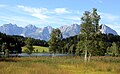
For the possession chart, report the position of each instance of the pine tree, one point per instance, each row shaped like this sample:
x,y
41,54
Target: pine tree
x,y
55,41
95,20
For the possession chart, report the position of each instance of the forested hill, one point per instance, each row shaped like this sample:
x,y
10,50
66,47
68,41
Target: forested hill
x,y
14,43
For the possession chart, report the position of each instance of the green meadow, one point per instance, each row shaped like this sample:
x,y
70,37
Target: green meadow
x,y
38,49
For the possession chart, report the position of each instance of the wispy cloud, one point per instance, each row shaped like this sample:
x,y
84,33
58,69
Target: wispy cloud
x,y
32,10
36,12
40,16
43,13
61,10
2,5
52,16
23,21
98,1
109,18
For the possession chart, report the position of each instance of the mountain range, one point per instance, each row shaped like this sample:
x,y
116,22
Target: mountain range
x,y
44,33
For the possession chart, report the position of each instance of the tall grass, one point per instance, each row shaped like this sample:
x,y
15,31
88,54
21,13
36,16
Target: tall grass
x,y
60,65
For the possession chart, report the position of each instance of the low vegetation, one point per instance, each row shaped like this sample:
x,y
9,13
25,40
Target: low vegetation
x,y
38,49
60,65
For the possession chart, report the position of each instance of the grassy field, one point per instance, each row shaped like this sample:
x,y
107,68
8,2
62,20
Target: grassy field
x,y
60,65
38,49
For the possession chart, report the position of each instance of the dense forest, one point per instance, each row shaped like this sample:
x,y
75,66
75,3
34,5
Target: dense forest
x,y
103,42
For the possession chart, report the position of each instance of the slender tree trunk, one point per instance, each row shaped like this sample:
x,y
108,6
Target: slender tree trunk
x,y
89,57
85,58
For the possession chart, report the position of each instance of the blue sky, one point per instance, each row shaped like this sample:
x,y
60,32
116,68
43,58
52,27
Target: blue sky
x,y
56,13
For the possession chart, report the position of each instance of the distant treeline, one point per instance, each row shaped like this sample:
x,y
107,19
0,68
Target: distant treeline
x,y
13,43
102,43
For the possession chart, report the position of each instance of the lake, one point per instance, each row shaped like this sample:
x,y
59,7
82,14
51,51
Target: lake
x,y
38,54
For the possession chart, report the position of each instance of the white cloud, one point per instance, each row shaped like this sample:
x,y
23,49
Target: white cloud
x,y
32,10
109,17
36,12
51,16
21,20
74,18
40,16
61,11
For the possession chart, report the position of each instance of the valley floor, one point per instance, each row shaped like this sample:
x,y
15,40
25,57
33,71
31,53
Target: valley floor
x,y
59,65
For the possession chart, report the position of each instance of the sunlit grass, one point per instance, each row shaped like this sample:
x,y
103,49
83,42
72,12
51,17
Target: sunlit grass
x,y
60,65
38,49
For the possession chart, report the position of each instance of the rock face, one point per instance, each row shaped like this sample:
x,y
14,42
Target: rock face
x,y
11,29
71,30
44,33
29,30
107,30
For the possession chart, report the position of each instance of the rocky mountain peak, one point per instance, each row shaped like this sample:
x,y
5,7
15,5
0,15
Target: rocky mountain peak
x,y
44,33
107,30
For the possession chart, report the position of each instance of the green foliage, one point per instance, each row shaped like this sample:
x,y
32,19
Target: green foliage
x,y
72,49
29,41
90,38
9,42
29,46
6,52
4,46
114,49
80,47
102,48
95,20
29,49
86,26
89,27
55,41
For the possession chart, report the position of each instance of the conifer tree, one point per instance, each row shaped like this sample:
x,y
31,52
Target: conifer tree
x,y
55,41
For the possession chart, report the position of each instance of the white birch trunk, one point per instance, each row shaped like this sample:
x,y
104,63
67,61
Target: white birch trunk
x,y
85,59
89,57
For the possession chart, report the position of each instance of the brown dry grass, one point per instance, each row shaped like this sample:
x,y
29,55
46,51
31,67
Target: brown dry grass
x,y
60,65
